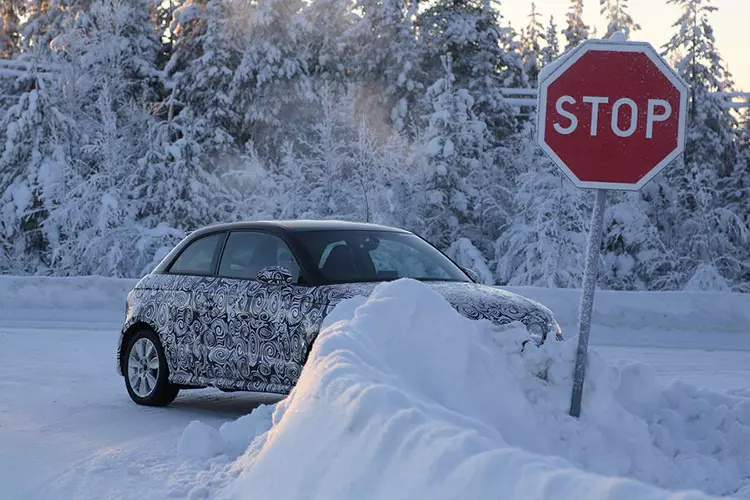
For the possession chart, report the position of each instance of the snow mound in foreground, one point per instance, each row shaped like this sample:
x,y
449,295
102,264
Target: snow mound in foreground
x,y
403,398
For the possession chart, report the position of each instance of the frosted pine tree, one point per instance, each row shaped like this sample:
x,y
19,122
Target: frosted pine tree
x,y
38,134
708,235
184,26
34,163
470,30
203,86
634,255
324,22
325,164
576,31
386,61
45,21
173,192
458,156
736,193
116,44
545,241
551,49
379,173
10,41
531,38
271,82
618,18
95,227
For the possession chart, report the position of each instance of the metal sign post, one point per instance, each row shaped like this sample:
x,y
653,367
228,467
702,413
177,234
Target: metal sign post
x,y
593,251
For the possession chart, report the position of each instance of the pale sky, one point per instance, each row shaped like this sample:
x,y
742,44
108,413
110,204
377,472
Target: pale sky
x,y
731,25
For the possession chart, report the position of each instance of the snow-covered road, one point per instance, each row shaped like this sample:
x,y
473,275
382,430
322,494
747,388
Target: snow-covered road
x,y
64,411
68,429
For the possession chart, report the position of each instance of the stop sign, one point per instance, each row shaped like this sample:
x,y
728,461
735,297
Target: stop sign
x,y
612,114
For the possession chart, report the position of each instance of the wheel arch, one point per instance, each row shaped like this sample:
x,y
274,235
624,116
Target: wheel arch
x,y
127,333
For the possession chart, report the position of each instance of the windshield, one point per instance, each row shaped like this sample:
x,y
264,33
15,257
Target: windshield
x,y
360,256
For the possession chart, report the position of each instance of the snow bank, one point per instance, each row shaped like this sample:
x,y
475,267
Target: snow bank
x,y
665,311
84,292
403,398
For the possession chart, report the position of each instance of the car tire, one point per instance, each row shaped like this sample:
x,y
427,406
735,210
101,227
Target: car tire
x,y
146,372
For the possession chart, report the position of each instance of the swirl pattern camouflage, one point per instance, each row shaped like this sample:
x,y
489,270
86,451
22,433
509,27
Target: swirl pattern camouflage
x,y
254,335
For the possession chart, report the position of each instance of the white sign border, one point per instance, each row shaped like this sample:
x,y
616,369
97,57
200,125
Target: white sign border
x,y
568,60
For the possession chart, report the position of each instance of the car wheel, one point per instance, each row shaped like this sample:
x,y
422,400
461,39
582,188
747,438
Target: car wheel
x,y
146,372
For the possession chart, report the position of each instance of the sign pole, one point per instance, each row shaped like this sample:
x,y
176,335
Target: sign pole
x,y
593,252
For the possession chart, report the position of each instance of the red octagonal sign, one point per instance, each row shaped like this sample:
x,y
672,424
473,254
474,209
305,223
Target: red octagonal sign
x,y
612,114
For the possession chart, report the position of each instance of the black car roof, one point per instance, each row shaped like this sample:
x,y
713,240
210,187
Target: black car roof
x,y
300,225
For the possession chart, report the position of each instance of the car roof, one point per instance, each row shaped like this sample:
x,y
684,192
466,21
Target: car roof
x,y
300,225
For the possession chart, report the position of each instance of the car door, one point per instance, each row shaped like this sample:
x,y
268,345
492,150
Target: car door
x,y
195,310
265,343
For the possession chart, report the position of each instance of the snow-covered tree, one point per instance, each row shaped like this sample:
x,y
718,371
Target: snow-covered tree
x,y
470,31
347,171
466,255
633,252
95,227
203,87
45,21
34,163
551,49
271,82
618,18
708,233
116,44
545,241
457,156
173,190
386,61
323,23
183,25
531,47
325,165
576,31
737,192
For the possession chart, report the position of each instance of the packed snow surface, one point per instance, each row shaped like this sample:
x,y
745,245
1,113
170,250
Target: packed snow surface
x,y
404,398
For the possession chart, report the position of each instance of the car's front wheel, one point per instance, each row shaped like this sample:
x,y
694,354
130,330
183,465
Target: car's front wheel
x,y
146,372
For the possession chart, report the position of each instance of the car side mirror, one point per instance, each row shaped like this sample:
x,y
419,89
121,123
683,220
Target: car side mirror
x,y
473,275
275,275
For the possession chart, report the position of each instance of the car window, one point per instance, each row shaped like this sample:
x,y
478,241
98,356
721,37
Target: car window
x,y
346,256
198,257
247,252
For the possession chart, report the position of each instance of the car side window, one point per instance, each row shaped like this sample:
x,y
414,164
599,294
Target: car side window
x,y
198,257
247,252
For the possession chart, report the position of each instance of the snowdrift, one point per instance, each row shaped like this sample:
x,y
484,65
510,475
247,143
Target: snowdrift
x,y
700,312
80,292
403,398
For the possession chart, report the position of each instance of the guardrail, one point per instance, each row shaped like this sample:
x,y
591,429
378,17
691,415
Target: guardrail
x,y
516,97
527,98
13,69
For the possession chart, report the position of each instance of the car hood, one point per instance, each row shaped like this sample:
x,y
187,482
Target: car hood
x,y
473,301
